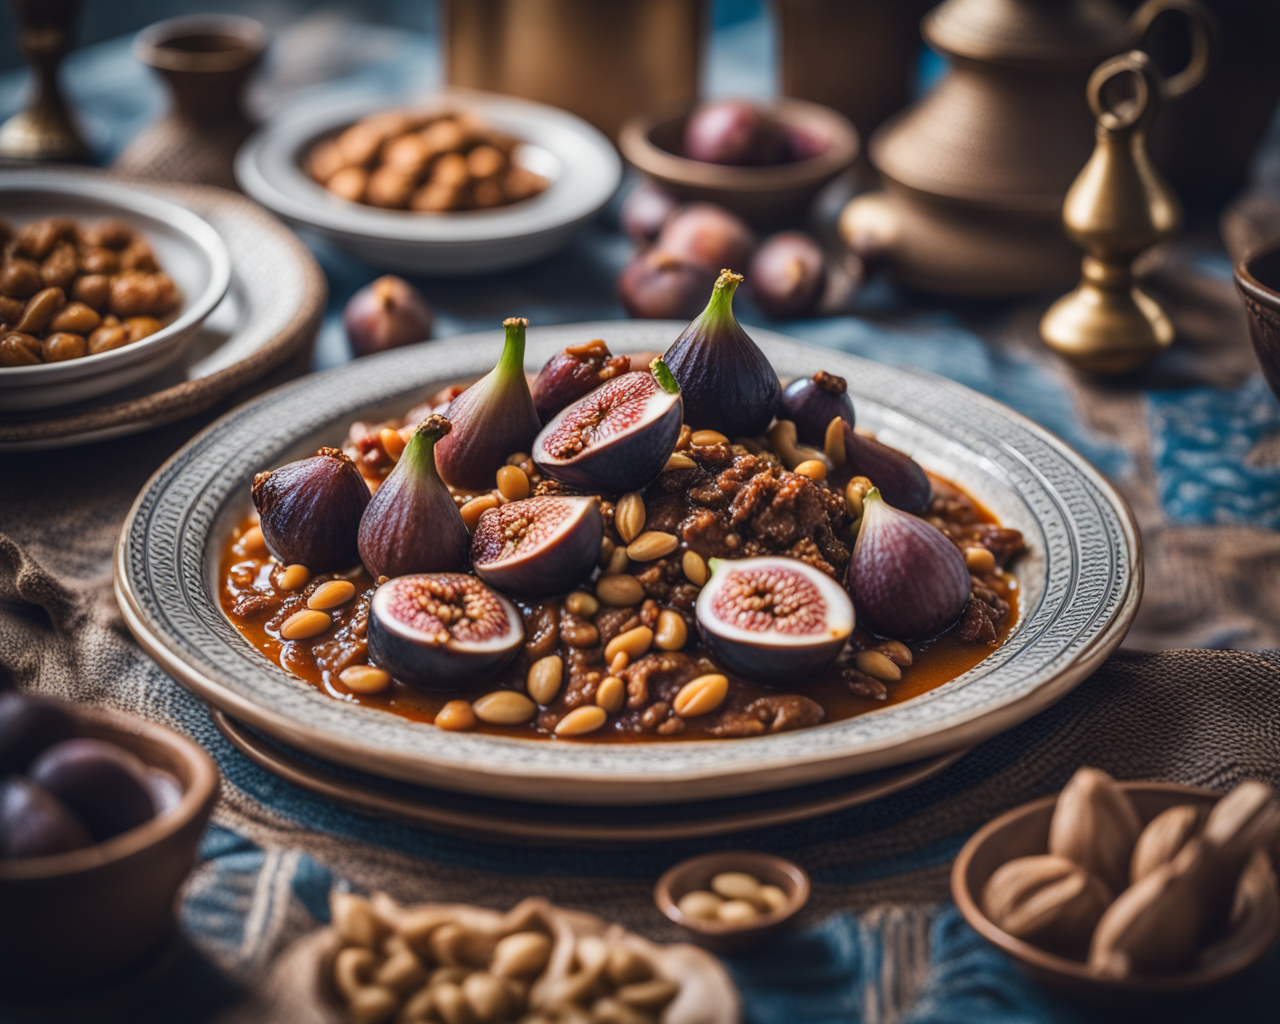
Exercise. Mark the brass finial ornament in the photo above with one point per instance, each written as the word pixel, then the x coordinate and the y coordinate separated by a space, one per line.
pixel 1118 207
pixel 46 129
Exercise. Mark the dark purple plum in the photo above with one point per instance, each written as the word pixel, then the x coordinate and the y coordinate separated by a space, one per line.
pixel 787 275
pixel 570 374
pixel 388 313
pixel 102 784
pixel 811 403
pixel 27 725
pixel 539 546
pixel 708 234
pixel 772 619
pixel 657 285
pixel 310 511
pixel 901 480
pixel 442 630
pixel 645 210
pixel 34 823
pixel 734 132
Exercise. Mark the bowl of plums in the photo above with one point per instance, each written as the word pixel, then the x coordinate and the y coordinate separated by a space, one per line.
pixel 458 183
pixel 101 285
pixel 100 815
pixel 763 161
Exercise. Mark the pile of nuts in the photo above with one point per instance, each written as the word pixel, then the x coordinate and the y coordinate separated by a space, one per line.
pixel 69 290
pixel 1131 900
pixel 735 898
pixel 449 964
pixel 430 164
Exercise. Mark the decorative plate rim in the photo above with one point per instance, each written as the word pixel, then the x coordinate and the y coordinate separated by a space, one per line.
pixel 1068 633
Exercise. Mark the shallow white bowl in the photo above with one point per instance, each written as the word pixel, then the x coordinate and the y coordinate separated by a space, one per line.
pixel 186 247
pixel 583 167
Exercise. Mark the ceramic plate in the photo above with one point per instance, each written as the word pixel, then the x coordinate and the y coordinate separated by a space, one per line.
pixel 582 165
pixel 270 313
pixel 1081 581
pixel 186 247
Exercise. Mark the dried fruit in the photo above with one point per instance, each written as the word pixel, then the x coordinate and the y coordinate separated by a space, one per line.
pixel 773 618
pixel 659 285
pixel 787 274
pixel 442 631
pixel 539 546
pixel 491 419
pixel 311 509
pixel 811 403
pixel 388 313
pixel 1095 825
pixel 412 523
pixel 1166 834
pixel 727 382
pixel 1046 900
pixel 617 438
pixel 570 374
pixel 907 580
pixel 898 476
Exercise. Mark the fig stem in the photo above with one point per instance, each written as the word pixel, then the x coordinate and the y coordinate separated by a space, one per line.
pixel 663 375
pixel 512 358
pixel 419 452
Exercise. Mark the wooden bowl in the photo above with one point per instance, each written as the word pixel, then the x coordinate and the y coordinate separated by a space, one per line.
pixel 76 918
pixel 697 872
pixel 1024 831
pixel 766 196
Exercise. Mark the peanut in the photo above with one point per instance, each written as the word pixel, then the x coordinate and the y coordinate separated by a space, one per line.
pixel 513 483
pixel 813 469
pixel 545 676
pixel 652 545
pixel 581 604
pixel 619 591
pixel 979 560
pixel 504 707
pixel 611 694
pixel 294 577
pixel 476 507
pixel 695 568
pixel 672 632
pixel 456 716
pixel 304 624
pixel 629 516
pixel 634 642
pixel 392 443
pixel 702 695
pixel 878 666
pixel 332 594
pixel 707 438
pixel 581 721
pixel 365 679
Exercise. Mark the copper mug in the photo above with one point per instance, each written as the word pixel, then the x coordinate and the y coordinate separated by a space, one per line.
pixel 1258 281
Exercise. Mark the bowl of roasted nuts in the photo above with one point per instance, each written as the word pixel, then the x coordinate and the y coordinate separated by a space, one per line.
pixel 458 183
pixel 101 285
pixel 1115 889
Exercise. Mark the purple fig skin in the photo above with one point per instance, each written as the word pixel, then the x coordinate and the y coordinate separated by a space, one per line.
pixel 27 725
pixel 570 374
pixel 433 655
pixel 735 133
pixel 708 234
pixel 657 285
pixel 906 578
pixel 788 274
pixel 900 479
pixel 310 511
pixel 644 211
pixel 632 454
pixel 520 549
pixel 412 523
pixel 726 381
pixel 34 823
pixel 491 419
pixel 103 785
pixel 385 314
pixel 811 403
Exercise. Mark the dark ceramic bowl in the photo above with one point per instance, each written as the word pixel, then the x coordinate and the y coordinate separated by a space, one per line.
pixel 1258 279
pixel 1024 832
pixel 767 196
pixel 697 872
pixel 73 919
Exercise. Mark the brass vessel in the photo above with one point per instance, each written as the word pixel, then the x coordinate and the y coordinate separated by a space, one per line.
pixel 46 130
pixel 1119 206
pixel 976 172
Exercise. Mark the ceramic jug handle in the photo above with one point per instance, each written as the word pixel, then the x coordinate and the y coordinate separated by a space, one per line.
pixel 1205 37
pixel 1148 84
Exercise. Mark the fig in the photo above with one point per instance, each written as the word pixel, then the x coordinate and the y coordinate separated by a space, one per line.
pixel 616 439
pixel 388 313
pixel 727 383
pixel 906 578
pixel 787 274
pixel 659 286
pixel 442 630
pixel 34 823
pixel 412 523
pixel 310 511
pixel 811 403
pixel 644 211
pixel 707 234
pixel 539 546
pixel 28 725
pixel 570 374
pixel 734 132
pixel 491 419
pixel 773 618
pixel 102 784
pixel 900 479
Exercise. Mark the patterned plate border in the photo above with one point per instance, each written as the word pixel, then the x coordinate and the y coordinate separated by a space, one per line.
pixel 1082 581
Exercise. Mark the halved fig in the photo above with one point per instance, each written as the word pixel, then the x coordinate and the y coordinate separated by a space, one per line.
pixel 616 439
pixel 773 618
pixel 539 546
pixel 442 630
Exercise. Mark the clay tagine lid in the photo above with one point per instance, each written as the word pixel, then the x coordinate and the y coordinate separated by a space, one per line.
pixel 1058 33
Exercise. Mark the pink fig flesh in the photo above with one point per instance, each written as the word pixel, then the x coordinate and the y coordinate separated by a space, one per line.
pixel 539 546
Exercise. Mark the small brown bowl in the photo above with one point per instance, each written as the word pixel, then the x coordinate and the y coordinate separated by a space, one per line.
pixel 73 919
pixel 766 196
pixel 1258 281
pixel 1023 832
pixel 697 872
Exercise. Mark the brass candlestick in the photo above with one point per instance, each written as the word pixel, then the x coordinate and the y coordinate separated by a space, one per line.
pixel 1119 206
pixel 45 130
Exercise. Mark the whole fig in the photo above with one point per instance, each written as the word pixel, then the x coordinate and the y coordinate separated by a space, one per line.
pixel 34 823
pixel 310 511
pixel 104 785
pixel 734 132
pixel 787 274
pixel 707 234
pixel 644 211
pixel 657 285
pixel 570 374
pixel 811 403
pixel 27 725
pixel 388 313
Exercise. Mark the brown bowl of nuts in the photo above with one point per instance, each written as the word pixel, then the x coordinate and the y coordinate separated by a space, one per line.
pixel 732 900
pixel 1111 890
